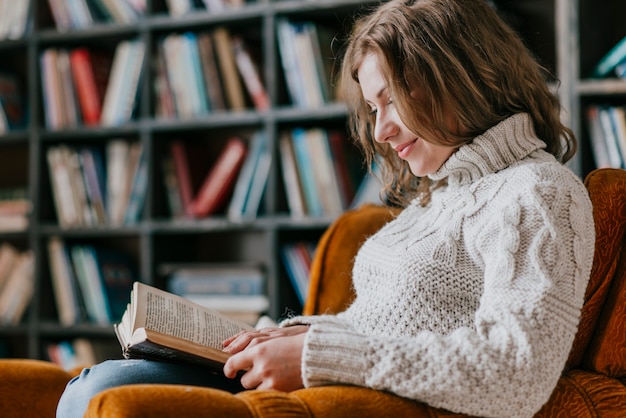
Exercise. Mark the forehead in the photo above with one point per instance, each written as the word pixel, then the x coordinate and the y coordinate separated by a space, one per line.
pixel 371 78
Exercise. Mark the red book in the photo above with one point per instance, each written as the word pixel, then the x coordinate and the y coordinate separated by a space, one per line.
pixel 183 175
pixel 90 72
pixel 220 180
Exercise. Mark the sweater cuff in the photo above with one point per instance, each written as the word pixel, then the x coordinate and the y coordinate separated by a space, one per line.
pixel 334 355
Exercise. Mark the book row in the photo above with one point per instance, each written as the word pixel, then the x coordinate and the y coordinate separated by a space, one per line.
pixel 14 22
pixel 98 186
pixel 607 133
pixel 88 87
pixel 17 282
pixel 15 209
pixel 82 14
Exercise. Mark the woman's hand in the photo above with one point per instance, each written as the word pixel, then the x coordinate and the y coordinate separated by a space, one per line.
pixel 270 358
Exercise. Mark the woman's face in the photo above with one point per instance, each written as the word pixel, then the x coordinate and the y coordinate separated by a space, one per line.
pixel 423 157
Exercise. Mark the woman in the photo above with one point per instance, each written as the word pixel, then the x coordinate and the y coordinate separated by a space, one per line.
pixel 470 299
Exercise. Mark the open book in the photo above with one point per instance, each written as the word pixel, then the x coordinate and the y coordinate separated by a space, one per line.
pixel 159 325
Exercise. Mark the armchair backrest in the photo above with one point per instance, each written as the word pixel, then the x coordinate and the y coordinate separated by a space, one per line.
pixel 600 344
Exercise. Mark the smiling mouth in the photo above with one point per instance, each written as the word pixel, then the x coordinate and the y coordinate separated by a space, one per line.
pixel 404 149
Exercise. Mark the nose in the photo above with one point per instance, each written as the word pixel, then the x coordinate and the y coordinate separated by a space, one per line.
pixel 385 126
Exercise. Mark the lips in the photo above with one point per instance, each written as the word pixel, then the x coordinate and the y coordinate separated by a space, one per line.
pixel 404 149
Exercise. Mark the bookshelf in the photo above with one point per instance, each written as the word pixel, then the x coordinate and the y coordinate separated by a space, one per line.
pixel 549 27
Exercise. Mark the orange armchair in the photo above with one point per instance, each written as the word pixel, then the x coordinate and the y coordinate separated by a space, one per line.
pixel 591 385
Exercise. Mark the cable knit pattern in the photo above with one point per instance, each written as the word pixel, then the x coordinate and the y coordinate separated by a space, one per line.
pixel 469 304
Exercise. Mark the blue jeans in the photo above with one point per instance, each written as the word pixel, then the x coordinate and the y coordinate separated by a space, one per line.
pixel 112 373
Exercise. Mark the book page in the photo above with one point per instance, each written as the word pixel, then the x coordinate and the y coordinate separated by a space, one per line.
pixel 166 313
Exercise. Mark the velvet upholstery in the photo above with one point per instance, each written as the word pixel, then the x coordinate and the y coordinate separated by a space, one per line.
pixel 591 386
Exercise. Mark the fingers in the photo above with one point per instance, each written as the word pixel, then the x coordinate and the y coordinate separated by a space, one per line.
pixel 242 340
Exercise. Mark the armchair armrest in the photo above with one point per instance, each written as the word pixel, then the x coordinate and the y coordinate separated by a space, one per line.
pixel 30 388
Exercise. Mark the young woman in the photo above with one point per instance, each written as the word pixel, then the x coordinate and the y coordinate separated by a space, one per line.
pixel 470 299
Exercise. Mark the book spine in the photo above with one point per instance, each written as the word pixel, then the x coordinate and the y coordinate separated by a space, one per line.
pixel 86 88
pixel 183 174
pixel 220 179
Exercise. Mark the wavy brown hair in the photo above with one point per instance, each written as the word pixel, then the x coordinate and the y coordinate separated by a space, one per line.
pixel 465 61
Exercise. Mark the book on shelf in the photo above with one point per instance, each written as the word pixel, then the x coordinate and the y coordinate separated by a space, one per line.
pixel 178 8
pixel 81 352
pixel 297 258
pixel 184 74
pixel 608 63
pixel 15 209
pixel 369 190
pixel 165 107
pixel 250 74
pixel 82 14
pixel 306 60
pixel 94 177
pixel 183 175
pixel 122 11
pixel 159 325
pixel 14 21
pixel 234 289
pixel 67 208
pixel 97 186
pixel 172 187
pixel 120 98
pixel 18 288
pixel 12 102
pixel 69 302
pixel 210 71
pixel 126 180
pixel 324 180
pixel 231 80
pixel 290 176
pixel 251 181
pixel 610 137
pixel 137 186
pixel 186 279
pixel 8 258
pixel 104 277
pixel 219 182
pixel 90 72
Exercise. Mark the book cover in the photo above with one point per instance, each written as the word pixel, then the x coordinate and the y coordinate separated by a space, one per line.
pixel 91 287
pixel 218 183
pixel 172 188
pixel 18 289
pixel 306 172
pixel 12 101
pixel 116 271
pixel 117 167
pixel 90 71
pixel 610 60
pixel 291 178
pixel 210 71
pixel 95 182
pixel 68 100
pixel 250 171
pixel 183 175
pixel 64 285
pixel 194 76
pixel 228 69
pixel 138 189
pixel 249 71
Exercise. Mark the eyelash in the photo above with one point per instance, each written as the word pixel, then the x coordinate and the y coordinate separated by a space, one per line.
pixel 374 111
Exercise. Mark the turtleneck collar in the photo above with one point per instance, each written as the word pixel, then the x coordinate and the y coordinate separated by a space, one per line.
pixel 502 145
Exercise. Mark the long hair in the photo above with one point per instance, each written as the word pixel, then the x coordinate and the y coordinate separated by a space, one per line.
pixel 465 62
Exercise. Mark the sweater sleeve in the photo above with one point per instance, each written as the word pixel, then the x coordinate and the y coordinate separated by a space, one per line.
pixel 536 254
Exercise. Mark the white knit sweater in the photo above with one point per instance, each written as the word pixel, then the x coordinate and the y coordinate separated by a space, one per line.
pixel 469 304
